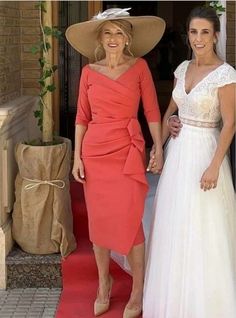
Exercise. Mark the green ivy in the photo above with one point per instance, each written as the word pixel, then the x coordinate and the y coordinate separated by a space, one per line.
pixel 47 68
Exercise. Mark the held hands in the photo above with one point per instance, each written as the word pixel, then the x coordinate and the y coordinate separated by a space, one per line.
pixel 209 178
pixel 156 161
pixel 174 125
pixel 78 171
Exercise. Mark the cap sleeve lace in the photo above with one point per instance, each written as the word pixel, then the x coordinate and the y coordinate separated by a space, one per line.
pixel 225 76
pixel 180 70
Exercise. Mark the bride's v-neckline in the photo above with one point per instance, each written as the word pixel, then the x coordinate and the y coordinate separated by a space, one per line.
pixel 119 76
pixel 198 83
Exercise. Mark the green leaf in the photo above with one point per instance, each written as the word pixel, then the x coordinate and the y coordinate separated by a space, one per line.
pixel 35 49
pixel 47 73
pixel 37 113
pixel 40 124
pixel 42 61
pixel 47 30
pixel 48 45
pixel 41 82
pixel 54 68
pixel 43 92
pixel 51 88
pixel 56 33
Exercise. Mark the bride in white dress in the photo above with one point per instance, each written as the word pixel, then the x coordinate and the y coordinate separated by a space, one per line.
pixel 190 271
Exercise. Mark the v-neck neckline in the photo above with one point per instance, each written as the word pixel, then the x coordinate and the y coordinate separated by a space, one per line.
pixel 119 76
pixel 198 83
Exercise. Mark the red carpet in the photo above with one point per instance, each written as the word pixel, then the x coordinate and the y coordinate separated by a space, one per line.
pixel 80 274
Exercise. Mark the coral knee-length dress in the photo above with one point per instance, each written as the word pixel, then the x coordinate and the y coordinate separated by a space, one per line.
pixel 113 153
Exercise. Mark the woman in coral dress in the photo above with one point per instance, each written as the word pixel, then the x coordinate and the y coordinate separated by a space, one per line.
pixel 109 146
pixel 191 269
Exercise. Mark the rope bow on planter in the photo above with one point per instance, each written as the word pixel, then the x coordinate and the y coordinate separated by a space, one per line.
pixel 60 184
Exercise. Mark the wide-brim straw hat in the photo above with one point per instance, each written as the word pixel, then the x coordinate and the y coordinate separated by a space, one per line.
pixel 146 32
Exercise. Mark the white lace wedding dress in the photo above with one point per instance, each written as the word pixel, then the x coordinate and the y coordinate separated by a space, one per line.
pixel 190 270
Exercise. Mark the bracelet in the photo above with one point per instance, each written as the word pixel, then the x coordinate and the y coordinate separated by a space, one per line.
pixel 167 122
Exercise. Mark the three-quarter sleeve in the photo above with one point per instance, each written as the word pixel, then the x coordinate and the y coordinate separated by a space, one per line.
pixel 149 96
pixel 83 115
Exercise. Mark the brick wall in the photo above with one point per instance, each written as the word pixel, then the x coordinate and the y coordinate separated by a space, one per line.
pixel 19 30
pixel 30 34
pixel 230 46
pixel 10 51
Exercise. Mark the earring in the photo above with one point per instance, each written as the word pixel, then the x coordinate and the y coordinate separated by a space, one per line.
pixel 127 43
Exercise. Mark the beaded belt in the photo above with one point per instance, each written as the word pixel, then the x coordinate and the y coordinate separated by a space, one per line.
pixel 197 123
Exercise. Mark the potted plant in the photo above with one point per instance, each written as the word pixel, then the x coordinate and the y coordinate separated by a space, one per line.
pixel 42 218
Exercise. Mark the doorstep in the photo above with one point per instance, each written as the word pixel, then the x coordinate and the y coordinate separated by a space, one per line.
pixel 26 270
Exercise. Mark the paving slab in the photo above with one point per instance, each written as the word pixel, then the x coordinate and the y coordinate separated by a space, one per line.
pixel 29 302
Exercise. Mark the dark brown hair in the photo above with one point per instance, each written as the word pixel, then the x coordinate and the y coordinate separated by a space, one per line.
pixel 207 13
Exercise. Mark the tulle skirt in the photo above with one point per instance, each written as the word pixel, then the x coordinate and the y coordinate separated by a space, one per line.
pixel 190 270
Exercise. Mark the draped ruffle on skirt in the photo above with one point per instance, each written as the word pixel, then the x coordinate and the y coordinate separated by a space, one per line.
pixel 116 186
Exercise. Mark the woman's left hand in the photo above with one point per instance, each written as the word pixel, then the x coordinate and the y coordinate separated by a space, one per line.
pixel 209 178
pixel 156 162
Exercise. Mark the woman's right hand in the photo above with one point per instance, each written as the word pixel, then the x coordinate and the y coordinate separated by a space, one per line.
pixel 174 125
pixel 78 171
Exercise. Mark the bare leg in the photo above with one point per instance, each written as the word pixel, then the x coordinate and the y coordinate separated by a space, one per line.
pixel 136 262
pixel 102 256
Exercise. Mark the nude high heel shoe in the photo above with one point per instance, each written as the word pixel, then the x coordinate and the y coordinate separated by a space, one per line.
pixel 132 313
pixel 101 308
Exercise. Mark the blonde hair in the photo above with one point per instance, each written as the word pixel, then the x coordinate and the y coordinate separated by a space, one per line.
pixel 125 26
